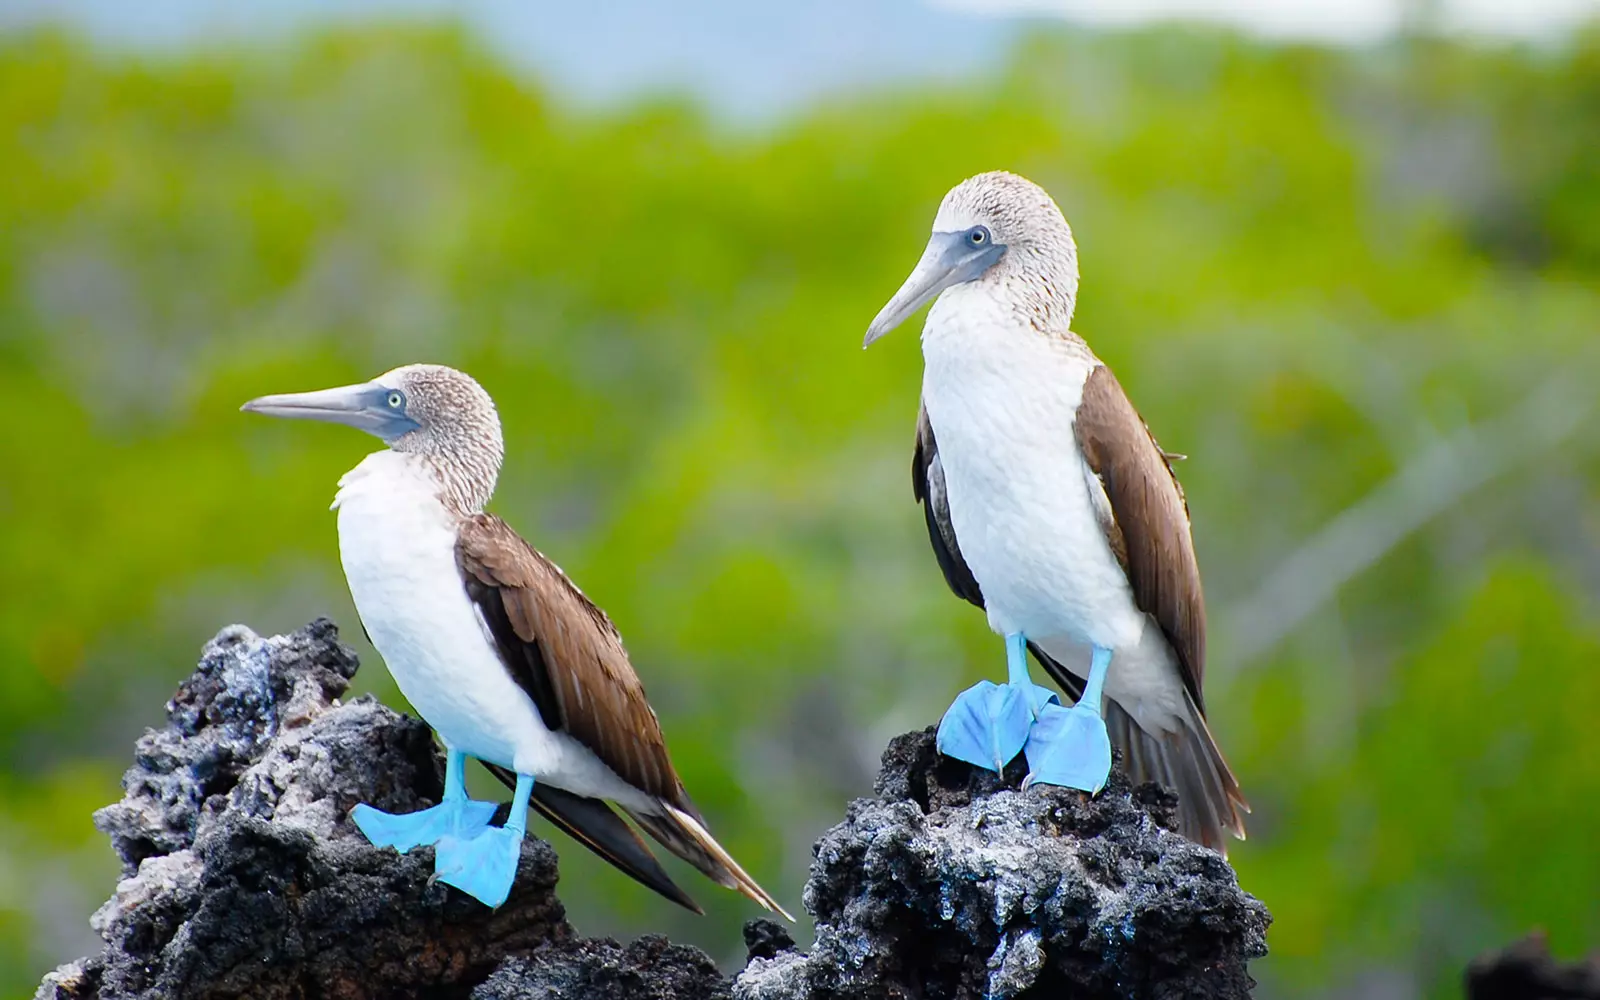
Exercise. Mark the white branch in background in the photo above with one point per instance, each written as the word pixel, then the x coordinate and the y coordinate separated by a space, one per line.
pixel 1424 487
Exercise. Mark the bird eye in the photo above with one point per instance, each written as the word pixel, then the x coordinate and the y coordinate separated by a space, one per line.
pixel 977 236
pixel 396 401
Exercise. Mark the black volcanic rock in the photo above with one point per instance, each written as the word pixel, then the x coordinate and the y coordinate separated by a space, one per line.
pixel 244 878
pixel 956 883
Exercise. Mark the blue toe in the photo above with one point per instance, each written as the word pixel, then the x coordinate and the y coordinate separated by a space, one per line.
pixel 483 866
pixel 1069 747
pixel 461 817
pixel 987 725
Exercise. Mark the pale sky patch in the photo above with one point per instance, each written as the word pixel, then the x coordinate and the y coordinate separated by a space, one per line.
pixel 1346 21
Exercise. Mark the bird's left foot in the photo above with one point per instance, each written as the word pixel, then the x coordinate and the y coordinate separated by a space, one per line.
pixel 483 866
pixel 1069 747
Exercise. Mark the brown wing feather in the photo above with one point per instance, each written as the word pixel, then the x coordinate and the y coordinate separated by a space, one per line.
pixel 566 654
pixel 1149 526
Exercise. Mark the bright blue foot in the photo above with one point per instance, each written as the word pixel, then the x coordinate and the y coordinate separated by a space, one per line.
pixel 1069 746
pixel 460 817
pixel 986 726
pixel 484 866
pixel 456 815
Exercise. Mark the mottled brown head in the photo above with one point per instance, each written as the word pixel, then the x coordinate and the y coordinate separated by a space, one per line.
pixel 432 411
pixel 1001 231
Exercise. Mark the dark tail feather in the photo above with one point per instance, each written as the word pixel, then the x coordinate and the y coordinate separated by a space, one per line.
pixel 1210 804
pixel 592 823
pixel 682 832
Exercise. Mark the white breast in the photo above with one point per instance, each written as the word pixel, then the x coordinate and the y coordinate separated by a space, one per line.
pixel 397 543
pixel 1001 398
pixel 398 546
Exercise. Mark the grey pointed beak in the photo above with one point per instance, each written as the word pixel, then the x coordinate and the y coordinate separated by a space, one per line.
pixel 367 406
pixel 948 260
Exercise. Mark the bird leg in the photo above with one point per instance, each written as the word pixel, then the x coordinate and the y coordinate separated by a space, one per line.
pixel 1018 676
pixel 485 865
pixel 988 724
pixel 455 814
pixel 1069 746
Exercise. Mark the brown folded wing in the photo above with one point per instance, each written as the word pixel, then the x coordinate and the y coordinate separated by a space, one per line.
pixel 566 654
pixel 1148 522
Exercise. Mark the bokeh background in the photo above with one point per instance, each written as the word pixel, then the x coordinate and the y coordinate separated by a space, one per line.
pixel 1346 256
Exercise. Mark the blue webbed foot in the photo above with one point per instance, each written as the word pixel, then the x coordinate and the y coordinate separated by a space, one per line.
pixel 483 866
pixel 987 725
pixel 403 831
pixel 1069 747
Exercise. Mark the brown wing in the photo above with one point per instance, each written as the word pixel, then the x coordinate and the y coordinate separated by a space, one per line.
pixel 1148 527
pixel 927 485
pixel 566 654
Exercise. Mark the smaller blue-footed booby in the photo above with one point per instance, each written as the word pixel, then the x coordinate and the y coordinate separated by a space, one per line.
pixel 1050 506
pixel 501 654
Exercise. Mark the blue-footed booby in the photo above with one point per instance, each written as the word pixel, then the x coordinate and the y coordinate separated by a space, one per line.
pixel 1050 506
pixel 497 649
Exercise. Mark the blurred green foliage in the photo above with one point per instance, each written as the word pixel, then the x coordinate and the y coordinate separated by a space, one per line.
pixel 1313 270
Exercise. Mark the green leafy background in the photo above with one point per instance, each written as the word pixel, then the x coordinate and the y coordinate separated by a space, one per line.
pixel 1358 288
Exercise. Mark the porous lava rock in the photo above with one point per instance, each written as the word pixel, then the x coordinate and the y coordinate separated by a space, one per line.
pixel 243 877
pixel 955 882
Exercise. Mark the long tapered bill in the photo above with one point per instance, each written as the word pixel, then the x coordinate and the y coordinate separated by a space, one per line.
pixel 367 406
pixel 947 260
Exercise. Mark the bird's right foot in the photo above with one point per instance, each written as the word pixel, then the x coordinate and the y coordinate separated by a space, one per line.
pixel 988 724
pixel 483 866
pixel 461 817
pixel 1069 747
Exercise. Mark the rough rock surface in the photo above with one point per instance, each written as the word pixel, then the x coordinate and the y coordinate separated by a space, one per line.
pixel 956 883
pixel 243 877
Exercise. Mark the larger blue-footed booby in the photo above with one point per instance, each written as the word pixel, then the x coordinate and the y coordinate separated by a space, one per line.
pixel 501 654
pixel 1050 505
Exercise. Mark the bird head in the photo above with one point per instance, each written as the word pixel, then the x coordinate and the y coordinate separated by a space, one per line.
pixel 432 411
pixel 993 228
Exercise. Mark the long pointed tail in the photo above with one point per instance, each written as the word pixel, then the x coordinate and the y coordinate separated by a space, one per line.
pixel 1210 804
pixel 685 835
